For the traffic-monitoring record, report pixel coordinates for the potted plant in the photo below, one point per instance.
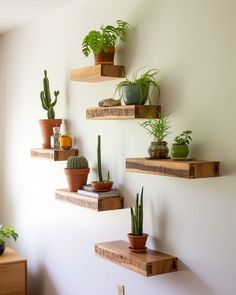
(137, 90)
(180, 147)
(137, 238)
(158, 128)
(102, 42)
(76, 172)
(101, 185)
(6, 232)
(48, 105)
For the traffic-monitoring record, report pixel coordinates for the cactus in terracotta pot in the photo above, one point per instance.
(137, 238)
(101, 185)
(48, 105)
(76, 171)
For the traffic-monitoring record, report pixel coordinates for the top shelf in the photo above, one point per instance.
(97, 73)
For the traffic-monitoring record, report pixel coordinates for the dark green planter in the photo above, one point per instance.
(2, 248)
(132, 95)
(179, 151)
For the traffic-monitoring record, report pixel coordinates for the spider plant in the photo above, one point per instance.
(158, 128)
(145, 83)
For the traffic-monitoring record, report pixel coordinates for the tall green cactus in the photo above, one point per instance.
(137, 216)
(45, 97)
(99, 159)
(77, 162)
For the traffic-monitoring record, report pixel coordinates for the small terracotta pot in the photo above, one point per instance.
(138, 243)
(76, 178)
(47, 130)
(158, 150)
(101, 186)
(103, 58)
(2, 248)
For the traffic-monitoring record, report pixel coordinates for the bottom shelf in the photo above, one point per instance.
(148, 264)
(97, 204)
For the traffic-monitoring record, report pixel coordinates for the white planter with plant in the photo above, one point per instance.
(139, 88)
(158, 128)
(102, 42)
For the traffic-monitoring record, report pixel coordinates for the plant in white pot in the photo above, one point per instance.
(137, 238)
(159, 129)
(48, 104)
(6, 232)
(180, 147)
(102, 42)
(76, 172)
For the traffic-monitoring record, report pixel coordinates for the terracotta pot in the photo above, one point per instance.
(103, 58)
(47, 130)
(101, 186)
(76, 178)
(158, 150)
(137, 243)
(2, 248)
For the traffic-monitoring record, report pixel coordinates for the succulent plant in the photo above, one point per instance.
(77, 162)
(45, 97)
(99, 159)
(137, 216)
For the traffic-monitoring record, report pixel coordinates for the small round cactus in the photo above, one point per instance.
(77, 162)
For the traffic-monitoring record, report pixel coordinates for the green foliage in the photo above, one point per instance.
(7, 232)
(144, 82)
(99, 159)
(137, 216)
(105, 38)
(45, 97)
(77, 162)
(184, 138)
(158, 128)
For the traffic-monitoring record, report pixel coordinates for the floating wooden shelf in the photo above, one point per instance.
(148, 264)
(97, 73)
(54, 155)
(184, 169)
(101, 204)
(123, 112)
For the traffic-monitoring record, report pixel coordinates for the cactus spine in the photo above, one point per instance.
(75, 162)
(99, 159)
(45, 97)
(137, 216)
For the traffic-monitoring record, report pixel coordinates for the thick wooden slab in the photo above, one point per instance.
(148, 264)
(101, 204)
(53, 155)
(184, 169)
(97, 73)
(123, 112)
(10, 256)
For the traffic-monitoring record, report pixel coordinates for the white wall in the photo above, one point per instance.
(193, 43)
(1, 128)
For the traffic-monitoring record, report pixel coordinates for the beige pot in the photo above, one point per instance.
(76, 178)
(46, 126)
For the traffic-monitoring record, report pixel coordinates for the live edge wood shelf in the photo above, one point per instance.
(100, 204)
(97, 73)
(123, 112)
(53, 154)
(148, 264)
(184, 169)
